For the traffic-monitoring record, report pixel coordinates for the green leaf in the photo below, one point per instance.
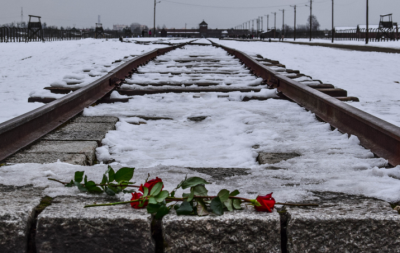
(152, 200)
(124, 174)
(156, 189)
(114, 188)
(79, 176)
(228, 204)
(145, 191)
(200, 190)
(223, 195)
(216, 206)
(108, 191)
(236, 204)
(128, 191)
(162, 211)
(191, 195)
(193, 181)
(104, 181)
(85, 180)
(201, 208)
(173, 194)
(70, 184)
(185, 209)
(162, 196)
(92, 188)
(185, 195)
(234, 193)
(111, 174)
(153, 208)
(80, 187)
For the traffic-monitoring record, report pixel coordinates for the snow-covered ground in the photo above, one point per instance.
(231, 136)
(371, 76)
(26, 68)
(392, 44)
(328, 161)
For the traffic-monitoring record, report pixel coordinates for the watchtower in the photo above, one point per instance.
(386, 21)
(99, 32)
(203, 28)
(34, 29)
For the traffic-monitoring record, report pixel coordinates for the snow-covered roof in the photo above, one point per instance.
(345, 28)
(370, 26)
(224, 32)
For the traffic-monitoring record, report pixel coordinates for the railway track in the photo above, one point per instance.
(184, 110)
(206, 72)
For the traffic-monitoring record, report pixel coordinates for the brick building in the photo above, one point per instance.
(202, 32)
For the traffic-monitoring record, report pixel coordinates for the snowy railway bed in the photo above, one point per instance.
(214, 112)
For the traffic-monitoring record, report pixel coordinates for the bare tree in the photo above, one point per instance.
(315, 24)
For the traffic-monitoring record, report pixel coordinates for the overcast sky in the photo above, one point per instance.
(175, 13)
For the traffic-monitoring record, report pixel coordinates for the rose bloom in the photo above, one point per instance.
(267, 203)
(149, 184)
(135, 196)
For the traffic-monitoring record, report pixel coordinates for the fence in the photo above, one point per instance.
(375, 34)
(14, 34)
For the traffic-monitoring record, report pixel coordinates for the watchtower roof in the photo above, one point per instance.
(203, 23)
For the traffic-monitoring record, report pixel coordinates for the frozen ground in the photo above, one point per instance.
(26, 68)
(328, 161)
(231, 136)
(371, 76)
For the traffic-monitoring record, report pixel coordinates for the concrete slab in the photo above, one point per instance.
(86, 148)
(66, 226)
(81, 132)
(238, 231)
(344, 223)
(272, 158)
(222, 173)
(17, 205)
(76, 159)
(95, 119)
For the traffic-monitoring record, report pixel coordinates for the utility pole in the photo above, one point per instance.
(333, 24)
(22, 15)
(267, 22)
(311, 19)
(262, 24)
(294, 35)
(283, 21)
(274, 24)
(367, 34)
(155, 4)
(252, 26)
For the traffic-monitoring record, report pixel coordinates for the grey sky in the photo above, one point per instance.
(84, 13)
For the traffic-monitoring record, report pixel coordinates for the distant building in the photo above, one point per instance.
(202, 32)
(119, 27)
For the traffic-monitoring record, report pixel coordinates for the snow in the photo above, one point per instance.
(371, 76)
(26, 68)
(329, 161)
(234, 132)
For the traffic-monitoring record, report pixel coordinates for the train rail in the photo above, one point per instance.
(381, 137)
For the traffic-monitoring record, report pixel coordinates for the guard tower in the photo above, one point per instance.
(99, 32)
(203, 29)
(386, 21)
(34, 29)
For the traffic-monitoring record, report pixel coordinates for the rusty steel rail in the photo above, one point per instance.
(381, 137)
(23, 130)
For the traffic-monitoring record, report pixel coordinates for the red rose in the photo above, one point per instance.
(135, 196)
(267, 203)
(149, 184)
